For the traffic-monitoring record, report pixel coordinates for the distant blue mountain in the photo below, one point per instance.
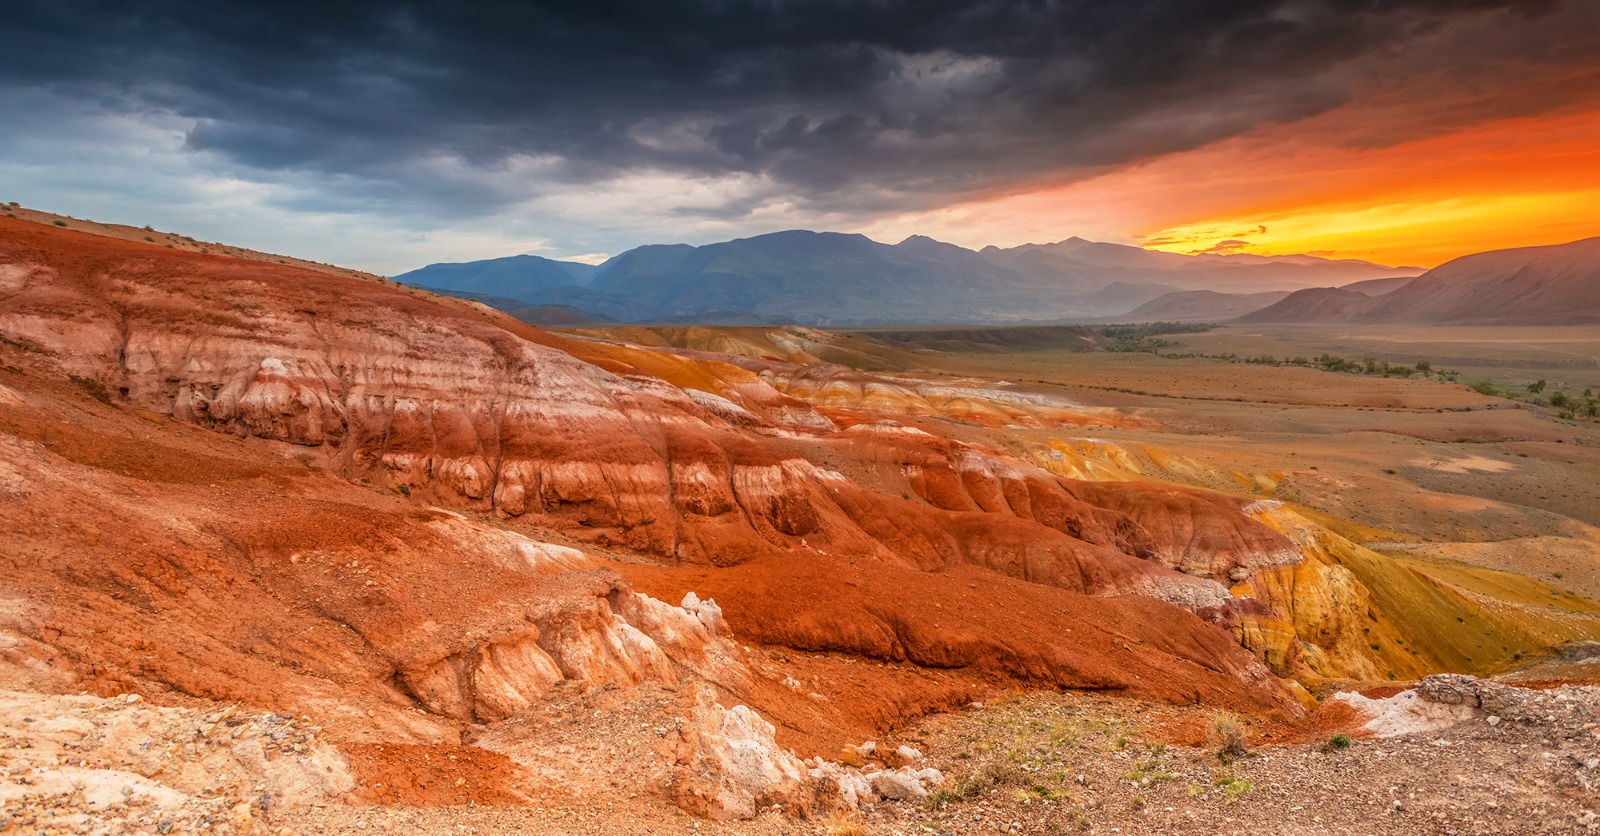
(829, 278)
(520, 277)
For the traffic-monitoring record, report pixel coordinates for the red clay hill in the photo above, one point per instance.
(234, 480)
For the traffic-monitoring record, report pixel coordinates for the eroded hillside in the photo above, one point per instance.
(425, 525)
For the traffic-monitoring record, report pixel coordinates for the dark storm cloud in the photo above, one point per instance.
(895, 104)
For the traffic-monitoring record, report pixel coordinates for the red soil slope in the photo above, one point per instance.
(188, 534)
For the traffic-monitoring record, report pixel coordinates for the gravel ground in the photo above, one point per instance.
(1039, 763)
(1075, 763)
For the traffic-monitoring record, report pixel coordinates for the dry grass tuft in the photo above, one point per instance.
(1226, 735)
(845, 824)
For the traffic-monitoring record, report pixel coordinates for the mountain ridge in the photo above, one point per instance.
(1555, 284)
(510, 277)
(832, 278)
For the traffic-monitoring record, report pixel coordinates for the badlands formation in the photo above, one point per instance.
(292, 549)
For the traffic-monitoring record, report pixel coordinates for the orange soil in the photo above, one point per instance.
(433, 776)
(165, 558)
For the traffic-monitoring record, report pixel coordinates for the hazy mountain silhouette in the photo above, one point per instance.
(1554, 285)
(834, 278)
(516, 277)
(1201, 306)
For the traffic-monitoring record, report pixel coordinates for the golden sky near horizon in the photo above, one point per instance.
(1516, 182)
(1306, 187)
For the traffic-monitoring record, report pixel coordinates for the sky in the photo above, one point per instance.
(384, 136)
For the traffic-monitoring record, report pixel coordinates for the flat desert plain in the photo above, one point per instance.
(1488, 483)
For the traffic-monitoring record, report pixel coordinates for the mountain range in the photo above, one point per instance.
(827, 278)
(1552, 285)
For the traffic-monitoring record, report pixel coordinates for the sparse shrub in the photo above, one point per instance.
(1064, 737)
(995, 773)
(845, 824)
(1146, 773)
(1232, 786)
(1338, 741)
(1039, 791)
(61, 223)
(1226, 735)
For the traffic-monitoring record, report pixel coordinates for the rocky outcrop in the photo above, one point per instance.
(1202, 534)
(1502, 701)
(120, 765)
(728, 765)
(591, 629)
(503, 676)
(903, 784)
(855, 787)
(1442, 701)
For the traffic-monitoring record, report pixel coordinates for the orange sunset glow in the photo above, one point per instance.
(1514, 183)
(1288, 189)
